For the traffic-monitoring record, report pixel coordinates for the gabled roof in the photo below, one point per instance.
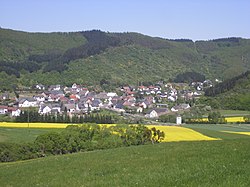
(96, 103)
(69, 106)
(159, 111)
(22, 100)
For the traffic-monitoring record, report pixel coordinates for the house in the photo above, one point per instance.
(160, 105)
(103, 96)
(45, 109)
(39, 87)
(142, 104)
(180, 107)
(172, 98)
(139, 109)
(74, 97)
(53, 98)
(70, 107)
(129, 104)
(3, 109)
(63, 99)
(95, 104)
(57, 93)
(84, 92)
(14, 112)
(119, 106)
(55, 87)
(111, 94)
(142, 88)
(27, 102)
(40, 98)
(156, 112)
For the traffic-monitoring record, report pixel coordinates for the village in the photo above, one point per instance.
(145, 101)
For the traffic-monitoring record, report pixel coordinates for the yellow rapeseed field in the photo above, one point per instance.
(244, 133)
(234, 119)
(228, 119)
(34, 125)
(173, 133)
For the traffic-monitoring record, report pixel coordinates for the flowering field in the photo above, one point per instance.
(235, 119)
(239, 119)
(172, 133)
(34, 125)
(175, 133)
(244, 133)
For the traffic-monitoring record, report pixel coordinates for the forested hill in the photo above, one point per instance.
(94, 57)
(231, 94)
(235, 84)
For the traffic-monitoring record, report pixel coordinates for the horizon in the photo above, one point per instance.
(122, 33)
(180, 19)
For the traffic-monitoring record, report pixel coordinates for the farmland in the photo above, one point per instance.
(209, 163)
(184, 163)
(173, 133)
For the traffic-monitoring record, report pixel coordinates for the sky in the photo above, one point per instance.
(172, 19)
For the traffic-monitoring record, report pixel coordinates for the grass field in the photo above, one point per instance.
(221, 131)
(234, 112)
(19, 135)
(206, 163)
(186, 163)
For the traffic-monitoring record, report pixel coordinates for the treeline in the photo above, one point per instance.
(98, 41)
(80, 138)
(181, 40)
(131, 38)
(230, 39)
(213, 118)
(14, 68)
(225, 85)
(188, 77)
(33, 116)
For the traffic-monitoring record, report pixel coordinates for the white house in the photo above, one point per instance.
(180, 107)
(15, 112)
(27, 102)
(10, 110)
(156, 112)
(45, 109)
(3, 109)
(152, 114)
(40, 87)
(40, 98)
(111, 94)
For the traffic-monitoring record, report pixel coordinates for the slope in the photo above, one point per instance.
(212, 163)
(18, 45)
(89, 57)
(230, 94)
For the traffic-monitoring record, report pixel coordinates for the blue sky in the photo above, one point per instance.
(193, 19)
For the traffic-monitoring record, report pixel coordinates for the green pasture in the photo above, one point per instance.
(234, 112)
(207, 163)
(20, 135)
(224, 162)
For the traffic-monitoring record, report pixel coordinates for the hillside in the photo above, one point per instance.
(212, 163)
(230, 94)
(118, 58)
(18, 45)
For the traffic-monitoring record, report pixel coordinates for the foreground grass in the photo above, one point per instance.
(20, 135)
(206, 163)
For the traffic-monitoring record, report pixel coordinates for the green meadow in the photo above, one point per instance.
(224, 162)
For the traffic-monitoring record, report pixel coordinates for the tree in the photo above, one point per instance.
(215, 117)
